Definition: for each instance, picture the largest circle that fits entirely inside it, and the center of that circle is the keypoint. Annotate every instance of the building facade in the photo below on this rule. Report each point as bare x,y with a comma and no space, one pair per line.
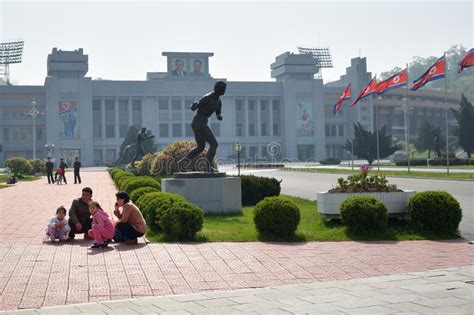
289,118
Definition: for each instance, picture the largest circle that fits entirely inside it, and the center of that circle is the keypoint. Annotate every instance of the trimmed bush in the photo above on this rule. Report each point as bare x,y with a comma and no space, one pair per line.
114,171
413,162
276,216
255,189
137,193
39,166
136,182
436,211
122,178
330,161
19,166
153,204
181,221
364,214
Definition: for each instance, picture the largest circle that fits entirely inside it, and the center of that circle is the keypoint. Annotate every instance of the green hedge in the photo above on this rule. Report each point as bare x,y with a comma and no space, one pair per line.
436,162
181,221
19,166
276,216
255,189
153,204
137,193
122,179
136,182
364,214
436,211
330,161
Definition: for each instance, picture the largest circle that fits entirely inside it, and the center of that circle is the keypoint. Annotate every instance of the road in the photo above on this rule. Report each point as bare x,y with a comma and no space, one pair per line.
306,185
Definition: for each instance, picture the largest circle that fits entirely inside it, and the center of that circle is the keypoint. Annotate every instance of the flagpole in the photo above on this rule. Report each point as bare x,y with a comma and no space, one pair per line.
407,134
377,127
446,107
352,136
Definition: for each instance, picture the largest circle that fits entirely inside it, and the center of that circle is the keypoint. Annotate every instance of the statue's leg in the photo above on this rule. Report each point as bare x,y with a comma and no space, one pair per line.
211,153
201,145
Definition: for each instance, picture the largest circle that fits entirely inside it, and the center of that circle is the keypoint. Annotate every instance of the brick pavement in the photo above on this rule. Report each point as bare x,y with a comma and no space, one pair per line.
35,274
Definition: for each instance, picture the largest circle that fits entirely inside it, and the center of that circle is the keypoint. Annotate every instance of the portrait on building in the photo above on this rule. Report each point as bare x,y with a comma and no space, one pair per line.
304,118
179,68
69,120
197,68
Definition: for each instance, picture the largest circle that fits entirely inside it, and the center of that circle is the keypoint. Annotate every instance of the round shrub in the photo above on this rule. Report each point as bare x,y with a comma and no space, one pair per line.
114,172
19,166
364,214
181,221
136,182
277,216
255,188
137,193
155,204
38,166
436,211
122,178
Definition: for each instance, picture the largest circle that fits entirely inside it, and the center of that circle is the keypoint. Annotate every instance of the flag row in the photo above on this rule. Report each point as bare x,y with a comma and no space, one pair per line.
400,79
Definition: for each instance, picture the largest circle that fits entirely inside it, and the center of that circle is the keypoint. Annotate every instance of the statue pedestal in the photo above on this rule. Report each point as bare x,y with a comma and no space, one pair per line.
215,193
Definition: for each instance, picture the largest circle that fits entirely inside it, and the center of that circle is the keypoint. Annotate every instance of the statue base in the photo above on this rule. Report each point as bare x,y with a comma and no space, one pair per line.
215,193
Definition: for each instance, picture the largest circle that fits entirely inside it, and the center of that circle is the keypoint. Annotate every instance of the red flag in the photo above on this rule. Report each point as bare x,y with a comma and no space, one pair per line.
395,81
367,90
467,61
436,71
345,95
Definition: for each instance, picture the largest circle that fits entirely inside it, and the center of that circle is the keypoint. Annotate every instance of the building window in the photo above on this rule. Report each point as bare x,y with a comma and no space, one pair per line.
330,130
110,156
252,130
123,118
163,110
216,128
263,130
341,130
137,112
6,135
238,130
164,131
177,130
189,131
98,160
276,129
176,104
109,118
97,119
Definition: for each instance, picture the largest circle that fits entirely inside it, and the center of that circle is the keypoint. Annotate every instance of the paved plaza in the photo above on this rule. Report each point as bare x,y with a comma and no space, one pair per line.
34,274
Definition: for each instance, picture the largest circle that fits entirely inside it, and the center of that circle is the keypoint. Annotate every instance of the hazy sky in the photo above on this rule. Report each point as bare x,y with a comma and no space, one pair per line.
124,39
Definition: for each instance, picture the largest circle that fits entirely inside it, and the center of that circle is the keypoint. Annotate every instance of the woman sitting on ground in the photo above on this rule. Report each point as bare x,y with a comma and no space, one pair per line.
131,224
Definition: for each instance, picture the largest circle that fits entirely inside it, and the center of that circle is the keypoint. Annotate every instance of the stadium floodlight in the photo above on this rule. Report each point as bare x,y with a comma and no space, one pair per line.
10,52
322,55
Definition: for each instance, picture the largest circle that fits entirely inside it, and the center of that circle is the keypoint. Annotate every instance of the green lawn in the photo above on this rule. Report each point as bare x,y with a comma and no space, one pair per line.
240,228
405,173
3,180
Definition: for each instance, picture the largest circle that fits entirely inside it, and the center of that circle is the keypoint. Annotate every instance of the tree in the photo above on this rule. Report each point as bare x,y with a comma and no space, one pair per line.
430,138
460,83
365,143
19,166
465,131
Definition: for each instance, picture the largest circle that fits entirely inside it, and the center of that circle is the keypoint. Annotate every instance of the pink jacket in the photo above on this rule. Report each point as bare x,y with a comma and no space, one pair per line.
102,218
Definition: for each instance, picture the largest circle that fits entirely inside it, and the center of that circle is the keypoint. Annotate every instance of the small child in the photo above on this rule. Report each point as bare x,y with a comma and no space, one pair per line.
102,228
58,228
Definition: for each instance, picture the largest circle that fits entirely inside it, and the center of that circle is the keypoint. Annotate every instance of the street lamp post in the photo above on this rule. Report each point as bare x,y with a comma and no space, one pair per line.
34,112
49,148
238,148
405,116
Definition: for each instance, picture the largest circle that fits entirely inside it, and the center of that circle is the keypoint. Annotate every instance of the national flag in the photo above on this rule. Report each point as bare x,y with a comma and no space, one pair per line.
436,71
367,90
467,61
394,82
345,95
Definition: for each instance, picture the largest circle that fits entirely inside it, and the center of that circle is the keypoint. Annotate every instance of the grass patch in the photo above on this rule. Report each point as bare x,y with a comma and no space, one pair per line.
27,178
414,174
240,228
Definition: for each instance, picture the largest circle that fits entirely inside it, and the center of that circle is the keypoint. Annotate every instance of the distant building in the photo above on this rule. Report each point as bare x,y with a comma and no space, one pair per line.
291,117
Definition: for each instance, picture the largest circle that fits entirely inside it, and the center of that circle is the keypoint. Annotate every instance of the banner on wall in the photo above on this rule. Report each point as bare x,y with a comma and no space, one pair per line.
304,118
69,120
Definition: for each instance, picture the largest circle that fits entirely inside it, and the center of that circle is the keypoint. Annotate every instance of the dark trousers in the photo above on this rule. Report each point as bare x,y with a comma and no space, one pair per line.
85,228
125,231
77,177
50,177
202,134
140,152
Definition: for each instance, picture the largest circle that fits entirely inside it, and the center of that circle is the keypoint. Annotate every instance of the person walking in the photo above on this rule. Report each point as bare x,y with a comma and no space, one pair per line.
77,167
49,170
62,170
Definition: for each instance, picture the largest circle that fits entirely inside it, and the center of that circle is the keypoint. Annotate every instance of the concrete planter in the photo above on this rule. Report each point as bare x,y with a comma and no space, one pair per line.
396,202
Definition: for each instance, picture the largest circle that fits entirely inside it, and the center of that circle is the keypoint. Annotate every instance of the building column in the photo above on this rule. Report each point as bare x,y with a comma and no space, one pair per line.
102,108
270,117
130,112
117,122
246,118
